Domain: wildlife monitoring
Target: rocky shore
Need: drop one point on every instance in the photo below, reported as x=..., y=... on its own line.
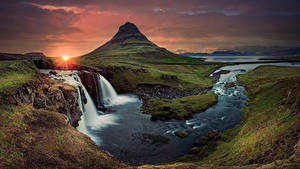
x=149, y=91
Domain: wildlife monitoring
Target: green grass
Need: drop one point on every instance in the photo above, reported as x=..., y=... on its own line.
x=184, y=59
x=179, y=108
x=270, y=125
x=14, y=74
x=31, y=138
x=189, y=75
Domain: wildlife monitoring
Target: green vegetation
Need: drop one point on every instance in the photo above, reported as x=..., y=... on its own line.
x=179, y=108
x=42, y=138
x=189, y=77
x=32, y=138
x=14, y=74
x=184, y=59
x=270, y=126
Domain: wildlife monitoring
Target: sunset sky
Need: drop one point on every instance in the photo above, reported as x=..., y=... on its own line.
x=75, y=27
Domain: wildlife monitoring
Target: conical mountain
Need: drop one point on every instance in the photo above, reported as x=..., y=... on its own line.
x=129, y=43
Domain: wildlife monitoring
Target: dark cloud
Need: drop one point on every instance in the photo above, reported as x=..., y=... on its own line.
x=76, y=27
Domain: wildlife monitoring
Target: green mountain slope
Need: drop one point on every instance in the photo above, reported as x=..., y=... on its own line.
x=128, y=45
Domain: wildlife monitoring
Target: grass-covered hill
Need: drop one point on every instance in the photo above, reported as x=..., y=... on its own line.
x=129, y=44
x=130, y=60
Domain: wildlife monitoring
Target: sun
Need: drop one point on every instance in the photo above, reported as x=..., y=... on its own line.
x=65, y=57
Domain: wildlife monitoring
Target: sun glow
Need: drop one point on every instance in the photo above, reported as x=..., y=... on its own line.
x=65, y=57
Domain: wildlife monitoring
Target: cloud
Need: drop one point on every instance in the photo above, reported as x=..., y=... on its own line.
x=77, y=27
x=73, y=9
x=222, y=11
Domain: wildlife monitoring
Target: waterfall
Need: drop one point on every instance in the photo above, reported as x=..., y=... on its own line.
x=109, y=94
x=88, y=108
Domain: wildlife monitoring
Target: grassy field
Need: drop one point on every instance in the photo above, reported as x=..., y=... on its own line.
x=180, y=108
x=189, y=75
x=14, y=74
x=270, y=126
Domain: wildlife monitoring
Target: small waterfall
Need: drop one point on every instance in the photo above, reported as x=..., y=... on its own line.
x=90, y=112
x=109, y=94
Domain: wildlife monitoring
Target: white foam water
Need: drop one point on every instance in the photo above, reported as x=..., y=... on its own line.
x=109, y=94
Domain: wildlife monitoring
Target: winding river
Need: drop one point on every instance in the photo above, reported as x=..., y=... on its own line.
x=133, y=138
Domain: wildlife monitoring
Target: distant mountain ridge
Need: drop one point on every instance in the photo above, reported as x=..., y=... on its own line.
x=221, y=53
x=285, y=52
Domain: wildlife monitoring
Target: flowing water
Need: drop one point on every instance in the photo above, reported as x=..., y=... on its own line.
x=133, y=138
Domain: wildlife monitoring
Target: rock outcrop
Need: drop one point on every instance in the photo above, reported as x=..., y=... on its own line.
x=90, y=81
x=229, y=85
x=206, y=141
x=44, y=94
x=148, y=91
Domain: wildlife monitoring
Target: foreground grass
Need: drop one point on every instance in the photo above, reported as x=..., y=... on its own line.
x=180, y=108
x=270, y=126
x=14, y=74
x=31, y=138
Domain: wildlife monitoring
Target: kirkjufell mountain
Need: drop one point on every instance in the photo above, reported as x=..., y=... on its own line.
x=129, y=43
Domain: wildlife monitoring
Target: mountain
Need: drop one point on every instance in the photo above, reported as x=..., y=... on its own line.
x=287, y=52
x=194, y=54
x=221, y=53
x=128, y=43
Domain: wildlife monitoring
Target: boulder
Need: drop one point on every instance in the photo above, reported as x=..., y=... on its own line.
x=195, y=150
x=181, y=134
x=213, y=135
x=201, y=141
x=229, y=85
x=53, y=72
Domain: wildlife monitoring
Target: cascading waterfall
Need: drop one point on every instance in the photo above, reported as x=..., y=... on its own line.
x=90, y=111
x=109, y=94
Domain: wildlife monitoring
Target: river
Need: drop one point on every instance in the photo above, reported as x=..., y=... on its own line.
x=133, y=138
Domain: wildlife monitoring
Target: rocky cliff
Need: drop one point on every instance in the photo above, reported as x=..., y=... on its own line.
x=90, y=81
x=45, y=94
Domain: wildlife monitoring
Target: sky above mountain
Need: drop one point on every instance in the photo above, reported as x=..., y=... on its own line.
x=75, y=27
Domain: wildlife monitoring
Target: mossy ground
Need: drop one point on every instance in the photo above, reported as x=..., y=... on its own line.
x=180, y=108
x=270, y=126
x=32, y=138
x=191, y=73
x=15, y=73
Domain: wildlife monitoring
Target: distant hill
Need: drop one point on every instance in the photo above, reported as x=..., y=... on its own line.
x=287, y=52
x=128, y=43
x=12, y=56
x=36, y=54
x=27, y=56
x=221, y=53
